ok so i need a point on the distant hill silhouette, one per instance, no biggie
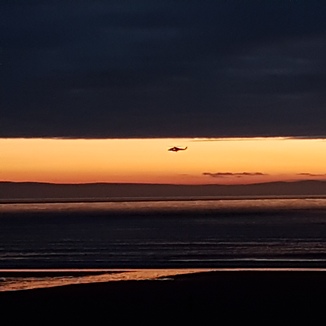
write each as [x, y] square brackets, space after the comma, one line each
[28, 191]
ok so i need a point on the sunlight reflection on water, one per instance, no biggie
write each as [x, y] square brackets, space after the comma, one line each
[170, 205]
[33, 282]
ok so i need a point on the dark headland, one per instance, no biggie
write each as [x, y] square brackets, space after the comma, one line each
[26, 191]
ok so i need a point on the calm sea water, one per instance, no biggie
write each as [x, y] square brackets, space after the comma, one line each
[164, 234]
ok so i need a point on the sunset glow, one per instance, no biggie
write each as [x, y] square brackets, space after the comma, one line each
[224, 161]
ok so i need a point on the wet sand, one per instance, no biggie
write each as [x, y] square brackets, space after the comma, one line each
[216, 297]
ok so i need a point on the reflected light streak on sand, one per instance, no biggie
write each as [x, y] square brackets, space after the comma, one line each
[17, 283]
[46, 281]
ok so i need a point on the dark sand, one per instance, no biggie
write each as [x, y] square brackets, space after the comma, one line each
[215, 297]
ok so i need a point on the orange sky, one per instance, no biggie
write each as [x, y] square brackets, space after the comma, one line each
[224, 161]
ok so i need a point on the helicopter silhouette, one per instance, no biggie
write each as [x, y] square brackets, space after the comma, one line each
[176, 149]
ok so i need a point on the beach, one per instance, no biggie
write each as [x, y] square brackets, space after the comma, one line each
[230, 295]
[181, 262]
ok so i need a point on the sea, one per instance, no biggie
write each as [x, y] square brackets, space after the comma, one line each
[159, 234]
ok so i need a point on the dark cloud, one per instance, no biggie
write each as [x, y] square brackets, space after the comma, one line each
[313, 174]
[232, 174]
[163, 68]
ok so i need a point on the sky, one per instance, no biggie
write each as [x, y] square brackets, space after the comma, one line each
[121, 75]
[163, 68]
[218, 161]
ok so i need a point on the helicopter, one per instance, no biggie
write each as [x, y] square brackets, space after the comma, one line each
[176, 149]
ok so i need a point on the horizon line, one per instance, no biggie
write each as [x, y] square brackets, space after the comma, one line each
[164, 184]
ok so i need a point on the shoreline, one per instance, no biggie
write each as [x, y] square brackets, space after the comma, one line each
[214, 294]
[13, 280]
[65, 279]
[142, 273]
